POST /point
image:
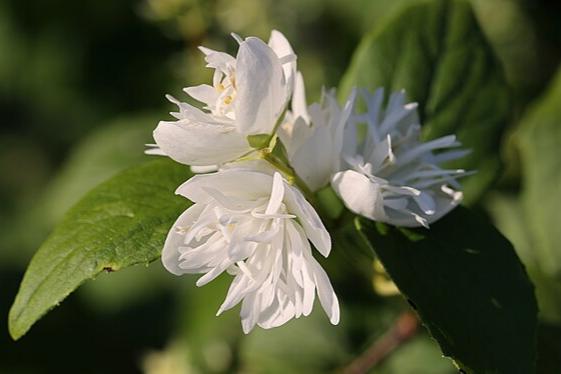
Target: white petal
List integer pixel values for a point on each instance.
(326, 294)
(309, 219)
(216, 59)
(229, 202)
(359, 194)
(203, 169)
(313, 162)
(277, 314)
(176, 239)
(235, 293)
(154, 150)
(277, 194)
(299, 105)
(195, 115)
(293, 134)
(231, 182)
(299, 241)
(212, 274)
(317, 157)
(282, 48)
(261, 91)
(340, 127)
(260, 166)
(268, 318)
(203, 93)
(250, 312)
(194, 144)
(446, 200)
(426, 203)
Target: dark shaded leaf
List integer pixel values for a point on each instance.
(436, 51)
(468, 286)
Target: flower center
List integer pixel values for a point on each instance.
(225, 86)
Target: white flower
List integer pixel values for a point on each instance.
(392, 175)
(248, 95)
(313, 136)
(258, 228)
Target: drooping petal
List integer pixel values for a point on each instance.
(301, 246)
(309, 219)
(359, 194)
(326, 294)
(260, 87)
(195, 144)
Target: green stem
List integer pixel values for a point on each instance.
(289, 174)
(280, 120)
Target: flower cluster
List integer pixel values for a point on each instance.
(252, 217)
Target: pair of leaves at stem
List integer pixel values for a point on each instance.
(467, 284)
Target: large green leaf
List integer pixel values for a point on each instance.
(468, 286)
(510, 219)
(539, 142)
(120, 223)
(103, 153)
(436, 51)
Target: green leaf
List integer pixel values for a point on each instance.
(436, 51)
(120, 223)
(109, 149)
(510, 219)
(258, 141)
(539, 140)
(467, 285)
(530, 219)
(103, 153)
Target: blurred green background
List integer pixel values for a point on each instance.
(82, 85)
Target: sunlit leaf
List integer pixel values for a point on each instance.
(120, 223)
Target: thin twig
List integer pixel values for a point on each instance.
(404, 328)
